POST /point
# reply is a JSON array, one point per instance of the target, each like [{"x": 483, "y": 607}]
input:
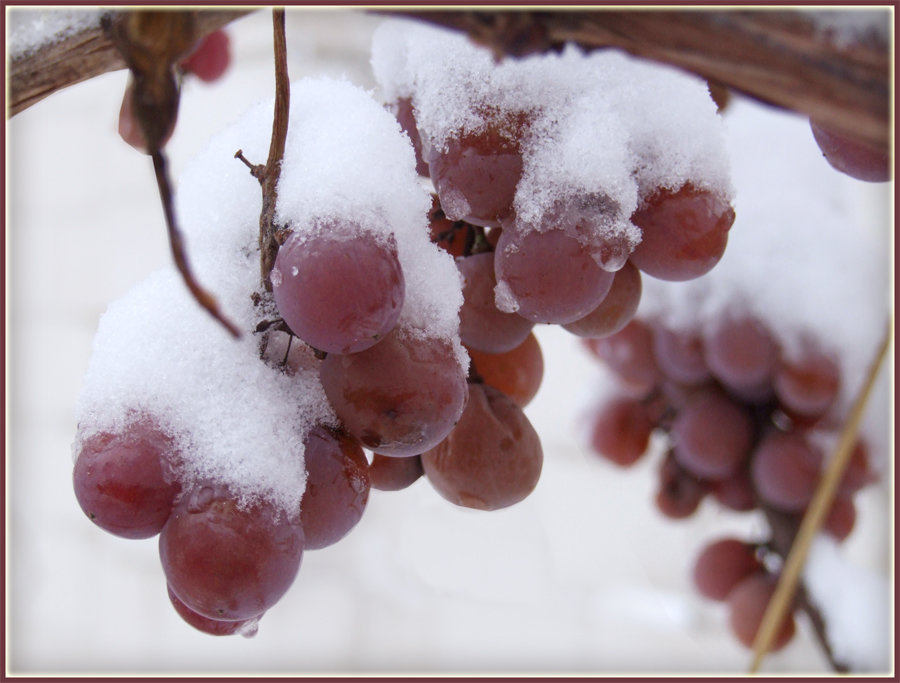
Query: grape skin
[
  {"x": 212, "y": 627},
  {"x": 785, "y": 470},
  {"x": 552, "y": 275},
  {"x": 621, "y": 431},
  {"x": 124, "y": 481},
  {"x": 482, "y": 325},
  {"x": 809, "y": 386},
  {"x": 394, "y": 474},
  {"x": 712, "y": 436},
  {"x": 629, "y": 354},
  {"x": 683, "y": 233},
  {"x": 493, "y": 457},
  {"x": 399, "y": 397},
  {"x": 617, "y": 308},
  {"x": 518, "y": 373},
  {"x": 742, "y": 354},
  {"x": 747, "y": 604},
  {"x": 722, "y": 564},
  {"x": 339, "y": 295},
  {"x": 337, "y": 487},
  {"x": 229, "y": 561},
  {"x": 852, "y": 157}
]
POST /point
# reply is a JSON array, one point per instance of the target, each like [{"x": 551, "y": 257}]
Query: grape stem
[{"x": 795, "y": 548}]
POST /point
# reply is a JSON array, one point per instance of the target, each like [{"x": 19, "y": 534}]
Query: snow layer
[{"x": 28, "y": 30}]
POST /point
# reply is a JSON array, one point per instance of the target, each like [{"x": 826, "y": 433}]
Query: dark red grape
[
  {"x": 742, "y": 354},
  {"x": 680, "y": 493},
  {"x": 124, "y": 481},
  {"x": 399, "y": 397},
  {"x": 617, "y": 308},
  {"x": 482, "y": 325},
  {"x": 629, "y": 354},
  {"x": 339, "y": 294},
  {"x": 712, "y": 436},
  {"x": 785, "y": 468},
  {"x": 621, "y": 431},
  {"x": 683, "y": 233},
  {"x": 476, "y": 174},
  {"x": 394, "y": 474},
  {"x": 337, "y": 487},
  {"x": 852, "y": 157},
  {"x": 551, "y": 275},
  {"x": 210, "y": 60},
  {"x": 723, "y": 564},
  {"x": 841, "y": 518},
  {"x": 747, "y": 605},
  {"x": 517, "y": 373},
  {"x": 213, "y": 627},
  {"x": 809, "y": 386},
  {"x": 680, "y": 356},
  {"x": 229, "y": 560},
  {"x": 736, "y": 492},
  {"x": 492, "y": 459}
]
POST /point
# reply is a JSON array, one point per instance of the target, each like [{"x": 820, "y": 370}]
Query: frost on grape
[{"x": 238, "y": 420}]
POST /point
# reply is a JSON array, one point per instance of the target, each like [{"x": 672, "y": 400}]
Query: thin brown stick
[
  {"x": 176, "y": 242},
  {"x": 268, "y": 231},
  {"x": 815, "y": 514}
]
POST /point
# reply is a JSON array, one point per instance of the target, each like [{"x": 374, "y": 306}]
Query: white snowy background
[{"x": 584, "y": 577}]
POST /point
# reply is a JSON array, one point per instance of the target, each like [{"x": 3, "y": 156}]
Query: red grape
[
  {"x": 742, "y": 354},
  {"x": 227, "y": 560},
  {"x": 712, "y": 435},
  {"x": 210, "y": 60},
  {"x": 736, "y": 492},
  {"x": 482, "y": 325},
  {"x": 339, "y": 295},
  {"x": 476, "y": 174},
  {"x": 684, "y": 232},
  {"x": 621, "y": 431},
  {"x": 785, "y": 468},
  {"x": 679, "y": 493},
  {"x": 337, "y": 487},
  {"x": 517, "y": 373},
  {"x": 841, "y": 518},
  {"x": 809, "y": 386},
  {"x": 399, "y": 397},
  {"x": 124, "y": 481},
  {"x": 617, "y": 308},
  {"x": 747, "y": 605},
  {"x": 214, "y": 627},
  {"x": 492, "y": 459},
  {"x": 551, "y": 275},
  {"x": 852, "y": 157},
  {"x": 394, "y": 474},
  {"x": 629, "y": 354},
  {"x": 722, "y": 565},
  {"x": 680, "y": 356}
]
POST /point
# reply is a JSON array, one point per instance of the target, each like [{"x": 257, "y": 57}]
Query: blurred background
[{"x": 584, "y": 577}]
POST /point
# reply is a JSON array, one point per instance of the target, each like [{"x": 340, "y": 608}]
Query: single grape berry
[
  {"x": 337, "y": 487},
  {"x": 617, "y": 308},
  {"x": 482, "y": 325},
  {"x": 679, "y": 356},
  {"x": 722, "y": 564},
  {"x": 517, "y": 373},
  {"x": 712, "y": 435},
  {"x": 807, "y": 387},
  {"x": 852, "y": 157},
  {"x": 683, "y": 233},
  {"x": 679, "y": 493},
  {"x": 394, "y": 474},
  {"x": 338, "y": 292},
  {"x": 476, "y": 173},
  {"x": 747, "y": 604},
  {"x": 213, "y": 627},
  {"x": 785, "y": 468},
  {"x": 228, "y": 559},
  {"x": 629, "y": 354},
  {"x": 742, "y": 354},
  {"x": 621, "y": 431},
  {"x": 399, "y": 397},
  {"x": 492, "y": 459},
  {"x": 124, "y": 480}
]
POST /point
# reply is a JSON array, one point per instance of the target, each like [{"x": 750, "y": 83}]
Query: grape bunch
[
  {"x": 393, "y": 337},
  {"x": 744, "y": 422}
]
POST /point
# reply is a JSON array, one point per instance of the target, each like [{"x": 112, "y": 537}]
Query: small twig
[
  {"x": 815, "y": 514},
  {"x": 176, "y": 242}
]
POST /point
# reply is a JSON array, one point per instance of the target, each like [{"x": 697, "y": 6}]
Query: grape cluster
[
  {"x": 383, "y": 326},
  {"x": 744, "y": 422}
]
